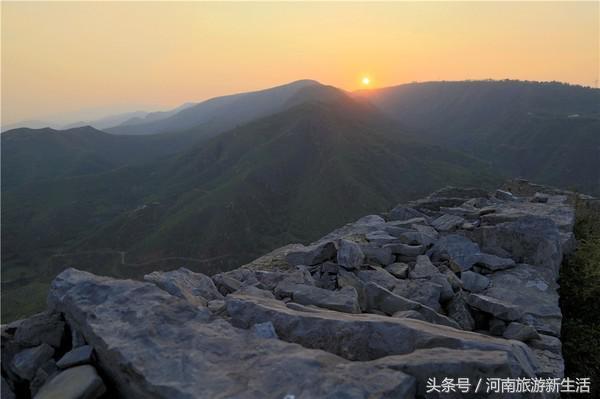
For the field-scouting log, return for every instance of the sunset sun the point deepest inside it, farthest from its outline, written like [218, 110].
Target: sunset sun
[366, 81]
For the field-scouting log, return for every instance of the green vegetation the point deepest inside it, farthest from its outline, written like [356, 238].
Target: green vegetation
[579, 293]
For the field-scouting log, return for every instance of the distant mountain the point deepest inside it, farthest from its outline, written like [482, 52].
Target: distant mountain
[291, 176]
[108, 121]
[30, 155]
[218, 114]
[240, 175]
[547, 132]
[148, 117]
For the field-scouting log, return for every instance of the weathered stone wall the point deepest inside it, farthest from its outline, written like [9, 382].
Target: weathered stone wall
[459, 284]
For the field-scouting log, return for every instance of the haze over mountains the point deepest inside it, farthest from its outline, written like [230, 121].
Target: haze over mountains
[212, 185]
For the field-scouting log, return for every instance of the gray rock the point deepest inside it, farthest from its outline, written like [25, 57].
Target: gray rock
[540, 198]
[505, 195]
[349, 255]
[42, 375]
[352, 336]
[406, 250]
[409, 314]
[447, 222]
[424, 292]
[378, 275]
[440, 363]
[423, 268]
[495, 307]
[255, 291]
[497, 327]
[271, 280]
[183, 283]
[474, 282]
[81, 382]
[454, 281]
[530, 239]
[265, 330]
[26, 362]
[447, 292]
[77, 339]
[349, 279]
[378, 298]
[416, 238]
[461, 252]
[495, 263]
[458, 310]
[531, 289]
[216, 306]
[398, 270]
[330, 268]
[226, 284]
[344, 300]
[312, 255]
[546, 343]
[402, 213]
[151, 344]
[41, 328]
[380, 238]
[379, 255]
[426, 230]
[520, 332]
[75, 357]
[551, 364]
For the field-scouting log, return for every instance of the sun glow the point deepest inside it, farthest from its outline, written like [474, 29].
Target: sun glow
[366, 81]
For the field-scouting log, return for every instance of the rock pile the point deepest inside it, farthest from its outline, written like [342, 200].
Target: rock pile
[459, 284]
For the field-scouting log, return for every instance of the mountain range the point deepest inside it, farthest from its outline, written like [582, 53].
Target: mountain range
[215, 184]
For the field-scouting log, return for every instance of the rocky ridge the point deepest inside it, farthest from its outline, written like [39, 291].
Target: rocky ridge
[462, 283]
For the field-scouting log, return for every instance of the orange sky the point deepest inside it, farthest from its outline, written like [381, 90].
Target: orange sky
[62, 58]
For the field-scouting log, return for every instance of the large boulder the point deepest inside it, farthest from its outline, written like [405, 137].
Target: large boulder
[461, 252]
[425, 292]
[495, 307]
[474, 282]
[380, 299]
[378, 275]
[312, 255]
[530, 239]
[46, 327]
[349, 255]
[344, 300]
[76, 357]
[441, 363]
[352, 336]
[196, 288]
[25, 363]
[423, 268]
[447, 222]
[458, 310]
[531, 289]
[155, 345]
[375, 253]
[520, 332]
[404, 213]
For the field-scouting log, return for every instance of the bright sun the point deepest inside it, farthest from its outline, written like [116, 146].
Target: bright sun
[366, 81]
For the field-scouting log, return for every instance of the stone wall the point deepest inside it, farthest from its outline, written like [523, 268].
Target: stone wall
[462, 283]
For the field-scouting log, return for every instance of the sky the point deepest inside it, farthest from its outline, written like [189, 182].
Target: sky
[80, 60]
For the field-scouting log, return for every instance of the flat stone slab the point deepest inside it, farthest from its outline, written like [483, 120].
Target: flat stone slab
[75, 357]
[532, 290]
[155, 345]
[366, 336]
